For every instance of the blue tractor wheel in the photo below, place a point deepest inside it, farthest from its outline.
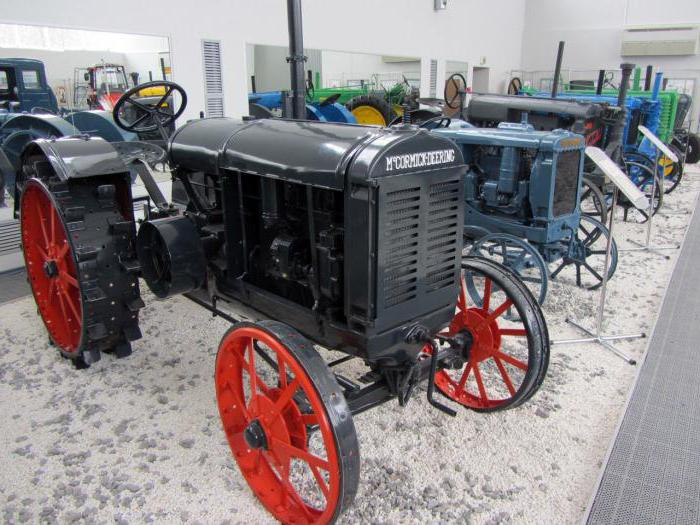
(672, 171)
(516, 254)
(642, 175)
(584, 259)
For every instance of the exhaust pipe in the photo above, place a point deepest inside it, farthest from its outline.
(601, 81)
(617, 132)
(647, 78)
(557, 69)
(296, 59)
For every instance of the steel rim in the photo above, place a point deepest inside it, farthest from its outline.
(586, 255)
(293, 468)
(519, 256)
(368, 115)
(592, 201)
(493, 376)
(51, 267)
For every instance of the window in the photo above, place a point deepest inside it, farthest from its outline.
(4, 82)
(30, 79)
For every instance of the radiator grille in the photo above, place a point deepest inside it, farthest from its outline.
(419, 239)
(566, 183)
(443, 223)
(402, 238)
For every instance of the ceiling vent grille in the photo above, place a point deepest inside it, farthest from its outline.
(213, 82)
(660, 40)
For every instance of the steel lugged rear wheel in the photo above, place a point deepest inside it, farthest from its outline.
(81, 266)
(508, 358)
(287, 423)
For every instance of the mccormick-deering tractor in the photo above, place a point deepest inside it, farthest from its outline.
(344, 236)
(348, 237)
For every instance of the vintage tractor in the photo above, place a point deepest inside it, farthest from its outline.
(274, 104)
(345, 237)
(600, 122)
(99, 86)
(683, 139)
(522, 192)
(367, 104)
(641, 110)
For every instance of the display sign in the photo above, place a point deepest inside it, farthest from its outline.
(618, 177)
(656, 141)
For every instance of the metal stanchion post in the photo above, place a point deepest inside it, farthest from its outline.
(647, 247)
(596, 336)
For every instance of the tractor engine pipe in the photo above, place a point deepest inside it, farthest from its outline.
(624, 84)
(296, 59)
(601, 81)
(658, 78)
(647, 78)
(557, 69)
(618, 129)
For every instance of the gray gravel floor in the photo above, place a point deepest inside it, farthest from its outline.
(138, 440)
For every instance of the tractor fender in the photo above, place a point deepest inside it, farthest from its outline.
(336, 113)
(98, 123)
(475, 232)
(314, 113)
(77, 157)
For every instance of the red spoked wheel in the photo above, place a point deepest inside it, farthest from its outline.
(51, 267)
(287, 423)
(509, 354)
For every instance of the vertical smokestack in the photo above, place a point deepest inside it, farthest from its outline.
(647, 78)
(618, 129)
(624, 84)
(557, 69)
(601, 81)
(296, 59)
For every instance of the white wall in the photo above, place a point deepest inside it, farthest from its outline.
(593, 34)
(339, 67)
(466, 31)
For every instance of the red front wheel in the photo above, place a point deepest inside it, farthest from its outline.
(287, 423)
(508, 356)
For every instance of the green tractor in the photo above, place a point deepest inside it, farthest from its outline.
(373, 103)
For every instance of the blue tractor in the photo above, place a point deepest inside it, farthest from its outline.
(522, 192)
(270, 104)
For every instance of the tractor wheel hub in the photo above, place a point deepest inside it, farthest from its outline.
(255, 435)
(51, 268)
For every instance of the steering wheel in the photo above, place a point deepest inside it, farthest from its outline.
(436, 122)
(515, 86)
(455, 80)
(139, 116)
(310, 91)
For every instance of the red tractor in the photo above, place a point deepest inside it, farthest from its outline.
(99, 86)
